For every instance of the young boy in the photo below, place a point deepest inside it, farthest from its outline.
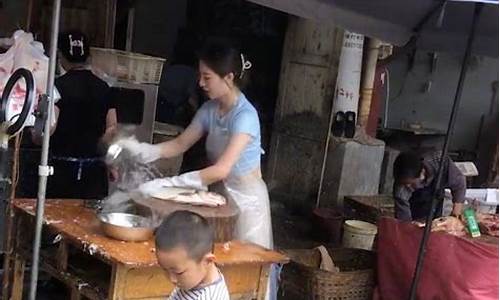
(184, 243)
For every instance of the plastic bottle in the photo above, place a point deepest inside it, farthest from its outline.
(470, 218)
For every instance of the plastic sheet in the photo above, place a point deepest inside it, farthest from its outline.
(254, 223)
(454, 268)
(252, 198)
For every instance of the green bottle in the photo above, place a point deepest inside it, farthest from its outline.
(470, 217)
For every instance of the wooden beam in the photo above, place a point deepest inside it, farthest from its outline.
(29, 15)
(130, 29)
(75, 294)
(18, 283)
(109, 39)
(263, 282)
(330, 12)
(62, 256)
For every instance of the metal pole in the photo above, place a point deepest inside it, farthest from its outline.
(44, 169)
(451, 124)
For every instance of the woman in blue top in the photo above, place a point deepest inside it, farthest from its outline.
(231, 124)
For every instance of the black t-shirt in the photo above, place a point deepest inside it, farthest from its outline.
(84, 104)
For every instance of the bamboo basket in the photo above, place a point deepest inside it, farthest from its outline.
(302, 278)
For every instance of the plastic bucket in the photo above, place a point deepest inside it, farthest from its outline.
(327, 224)
(359, 234)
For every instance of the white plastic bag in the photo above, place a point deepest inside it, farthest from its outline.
(6, 66)
(26, 53)
(30, 55)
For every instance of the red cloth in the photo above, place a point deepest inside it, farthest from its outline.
(454, 268)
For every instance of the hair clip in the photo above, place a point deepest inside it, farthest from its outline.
(76, 43)
(245, 65)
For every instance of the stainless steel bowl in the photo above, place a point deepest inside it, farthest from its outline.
(126, 227)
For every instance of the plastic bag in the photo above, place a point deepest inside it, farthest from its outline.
(26, 53)
(29, 54)
(6, 66)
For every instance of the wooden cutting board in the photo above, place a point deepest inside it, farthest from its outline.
(222, 218)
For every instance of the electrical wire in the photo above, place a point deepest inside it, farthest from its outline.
(402, 88)
(16, 165)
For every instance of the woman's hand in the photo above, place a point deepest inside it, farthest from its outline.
(145, 152)
(190, 180)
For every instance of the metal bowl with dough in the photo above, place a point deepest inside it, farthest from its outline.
(126, 227)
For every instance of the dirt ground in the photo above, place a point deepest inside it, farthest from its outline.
(292, 230)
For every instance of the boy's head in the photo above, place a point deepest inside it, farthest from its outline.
(408, 169)
(184, 243)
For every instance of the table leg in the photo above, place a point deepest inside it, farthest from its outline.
(62, 256)
(17, 284)
(10, 241)
(117, 285)
(75, 294)
(263, 282)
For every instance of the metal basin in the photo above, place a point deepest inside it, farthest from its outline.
(126, 227)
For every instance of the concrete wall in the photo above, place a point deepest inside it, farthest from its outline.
(156, 24)
(410, 103)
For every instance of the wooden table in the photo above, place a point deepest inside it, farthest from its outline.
(97, 267)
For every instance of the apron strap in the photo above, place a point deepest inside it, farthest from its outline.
(80, 161)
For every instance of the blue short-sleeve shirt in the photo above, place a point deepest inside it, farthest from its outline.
(242, 118)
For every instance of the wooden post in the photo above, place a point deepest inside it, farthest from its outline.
(8, 254)
(62, 256)
(19, 265)
(118, 276)
(307, 84)
(29, 15)
(109, 38)
(17, 285)
(10, 229)
(263, 282)
(369, 67)
(130, 29)
(75, 294)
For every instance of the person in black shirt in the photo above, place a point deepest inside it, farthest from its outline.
(86, 119)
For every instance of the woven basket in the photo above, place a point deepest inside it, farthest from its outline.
(302, 278)
(128, 66)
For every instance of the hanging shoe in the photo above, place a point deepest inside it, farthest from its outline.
(338, 125)
(350, 124)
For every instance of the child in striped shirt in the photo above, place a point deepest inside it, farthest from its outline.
(184, 243)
